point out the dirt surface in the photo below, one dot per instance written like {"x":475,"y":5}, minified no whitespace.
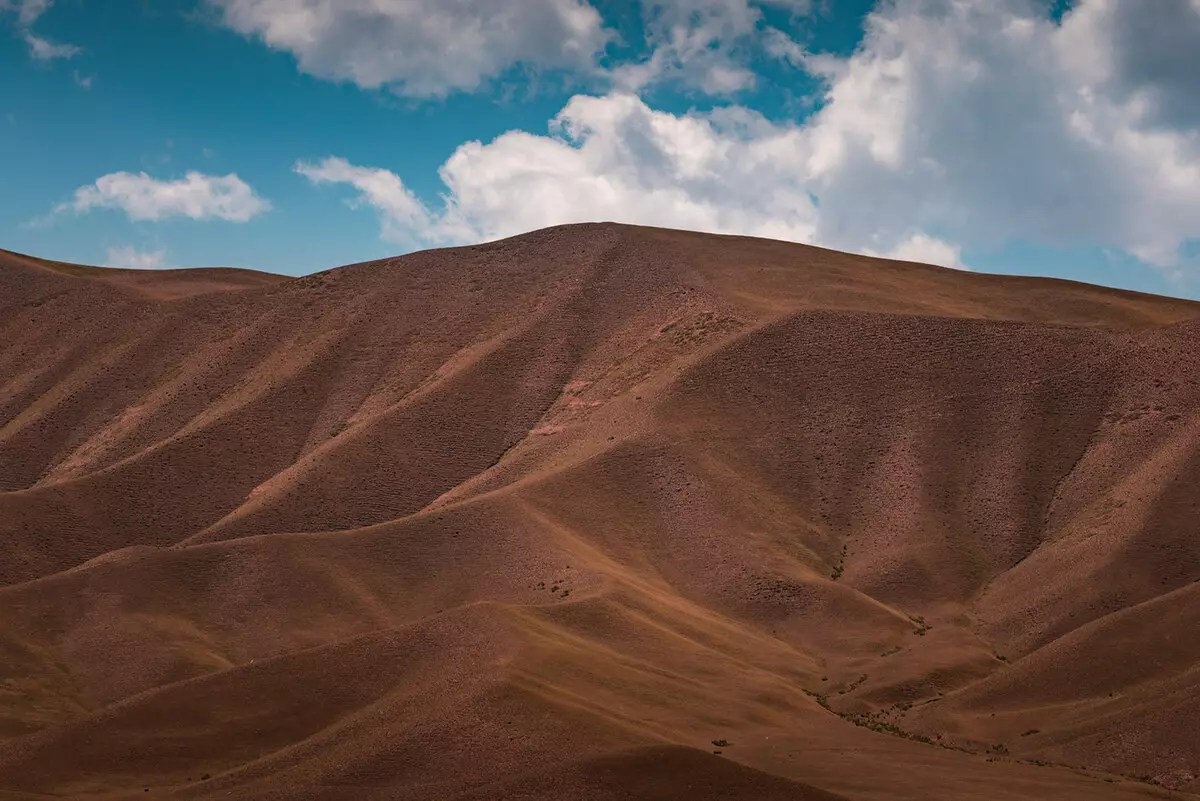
{"x":597,"y":512}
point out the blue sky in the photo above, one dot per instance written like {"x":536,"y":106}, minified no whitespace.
{"x":1017,"y":136}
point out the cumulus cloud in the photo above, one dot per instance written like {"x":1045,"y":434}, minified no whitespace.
{"x":196,"y":196}
{"x":705,"y":44}
{"x":955,"y":124}
{"x":986,"y":120}
{"x":28,"y":12}
{"x":130,"y":257}
{"x":693,"y":41}
{"x":422,"y":48}
{"x":1142,"y":53}
{"x":428,"y":48}
{"x":607,"y":158}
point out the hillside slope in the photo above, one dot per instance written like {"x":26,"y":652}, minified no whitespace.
{"x":556,"y":515}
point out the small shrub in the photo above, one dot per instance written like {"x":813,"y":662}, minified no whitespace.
{"x":823,"y":700}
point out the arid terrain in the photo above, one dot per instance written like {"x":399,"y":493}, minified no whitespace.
{"x":597,"y":512}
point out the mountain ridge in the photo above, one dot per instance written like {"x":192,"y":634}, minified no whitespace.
{"x":578,"y":478}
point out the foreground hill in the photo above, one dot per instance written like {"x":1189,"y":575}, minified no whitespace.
{"x":596,"y":512}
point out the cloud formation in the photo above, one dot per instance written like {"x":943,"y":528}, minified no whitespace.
{"x":422,"y":48}
{"x":609,"y":158}
{"x":703,"y":44}
{"x":28,"y":12}
{"x":986,"y":121}
{"x":195,"y":196}
{"x":403,"y":216}
{"x":956,"y":123}
{"x":45,"y":50}
{"x":614,"y":158}
{"x":429,"y":48}
{"x":130,"y":257}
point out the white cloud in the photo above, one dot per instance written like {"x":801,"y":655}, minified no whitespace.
{"x":614,"y":158}
{"x":422,"y":48}
{"x":27,"y":11}
{"x":984,"y":120}
{"x":197,"y":196}
{"x":921,"y":247}
{"x":41,"y":49}
{"x":130,"y":257}
{"x":45,"y":50}
{"x":403,"y":215}
{"x":956,"y":124}
{"x":83,"y":81}
{"x":691,"y":41}
{"x":704,"y":43}
{"x":1146,"y":54}
{"x":609,"y":158}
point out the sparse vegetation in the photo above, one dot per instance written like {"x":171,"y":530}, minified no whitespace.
{"x":868,"y":721}
{"x":854,"y":685}
{"x":840,"y":567}
{"x":721,"y":743}
{"x":554,"y":587}
{"x":1146,"y":779}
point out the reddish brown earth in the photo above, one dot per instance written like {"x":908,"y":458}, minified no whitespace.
{"x":544,"y":518}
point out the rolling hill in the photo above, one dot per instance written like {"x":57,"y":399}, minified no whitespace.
{"x":597,"y":512}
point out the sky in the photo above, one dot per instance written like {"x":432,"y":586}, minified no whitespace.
{"x":1036,"y":137}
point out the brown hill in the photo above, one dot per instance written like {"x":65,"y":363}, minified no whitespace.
{"x":598,"y":512}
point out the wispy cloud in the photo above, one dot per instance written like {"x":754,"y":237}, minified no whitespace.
{"x":45,"y":50}
{"x":28,"y":12}
{"x":130,"y":257}
{"x":403,"y":216}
